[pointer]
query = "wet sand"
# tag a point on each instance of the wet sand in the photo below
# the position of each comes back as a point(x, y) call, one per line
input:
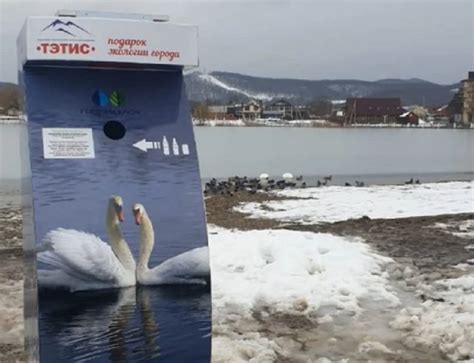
point(11, 286)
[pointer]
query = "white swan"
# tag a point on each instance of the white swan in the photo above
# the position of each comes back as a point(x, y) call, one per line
point(263, 179)
point(191, 267)
point(84, 261)
point(288, 177)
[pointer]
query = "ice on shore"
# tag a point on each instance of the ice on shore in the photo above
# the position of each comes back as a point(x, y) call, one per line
point(11, 310)
point(463, 229)
point(313, 278)
point(295, 271)
point(274, 290)
point(294, 282)
point(447, 323)
point(335, 203)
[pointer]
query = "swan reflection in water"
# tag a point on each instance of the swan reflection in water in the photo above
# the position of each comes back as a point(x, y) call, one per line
point(136, 324)
point(149, 324)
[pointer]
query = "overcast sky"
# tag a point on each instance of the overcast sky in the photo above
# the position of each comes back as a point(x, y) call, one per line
point(356, 39)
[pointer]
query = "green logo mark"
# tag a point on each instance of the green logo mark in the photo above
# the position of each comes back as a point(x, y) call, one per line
point(116, 99)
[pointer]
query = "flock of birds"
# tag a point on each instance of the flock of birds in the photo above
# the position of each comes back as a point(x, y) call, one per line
point(237, 184)
point(417, 181)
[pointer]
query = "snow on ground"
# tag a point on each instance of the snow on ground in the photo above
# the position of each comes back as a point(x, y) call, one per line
point(336, 203)
point(11, 311)
point(444, 323)
point(238, 122)
point(463, 229)
point(289, 279)
point(289, 268)
point(261, 96)
point(447, 324)
point(11, 284)
point(304, 295)
point(263, 122)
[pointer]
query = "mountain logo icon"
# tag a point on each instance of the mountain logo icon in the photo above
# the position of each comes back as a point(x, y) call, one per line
point(102, 99)
point(66, 27)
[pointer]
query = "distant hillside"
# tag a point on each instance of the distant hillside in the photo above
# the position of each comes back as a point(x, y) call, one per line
point(224, 87)
point(7, 84)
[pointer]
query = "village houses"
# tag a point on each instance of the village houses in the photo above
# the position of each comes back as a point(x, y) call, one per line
point(357, 110)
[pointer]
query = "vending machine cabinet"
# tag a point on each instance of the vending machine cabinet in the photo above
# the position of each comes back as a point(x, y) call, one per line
point(118, 239)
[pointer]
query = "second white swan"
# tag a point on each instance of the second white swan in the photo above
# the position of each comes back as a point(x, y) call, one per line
point(191, 267)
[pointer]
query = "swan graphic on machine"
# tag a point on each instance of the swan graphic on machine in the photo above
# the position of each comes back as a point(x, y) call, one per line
point(191, 267)
point(82, 261)
point(168, 148)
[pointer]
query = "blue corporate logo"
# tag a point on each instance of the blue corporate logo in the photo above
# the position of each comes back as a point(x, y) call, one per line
point(102, 99)
point(109, 104)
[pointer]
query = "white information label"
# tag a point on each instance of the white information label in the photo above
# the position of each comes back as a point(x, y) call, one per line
point(68, 143)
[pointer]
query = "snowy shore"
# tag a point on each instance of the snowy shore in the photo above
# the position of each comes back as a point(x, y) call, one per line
point(346, 300)
point(11, 286)
point(318, 123)
point(302, 295)
point(334, 203)
point(334, 274)
point(290, 283)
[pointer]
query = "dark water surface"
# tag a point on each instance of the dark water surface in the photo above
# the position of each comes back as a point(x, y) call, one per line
point(126, 325)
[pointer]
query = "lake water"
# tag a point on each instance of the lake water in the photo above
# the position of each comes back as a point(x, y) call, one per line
point(377, 155)
point(136, 324)
point(372, 155)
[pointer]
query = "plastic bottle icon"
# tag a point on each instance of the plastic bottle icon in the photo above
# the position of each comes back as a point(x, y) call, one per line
point(185, 149)
point(166, 147)
point(175, 147)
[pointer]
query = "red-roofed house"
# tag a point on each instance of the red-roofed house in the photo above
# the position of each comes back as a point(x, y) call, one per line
point(373, 110)
point(408, 118)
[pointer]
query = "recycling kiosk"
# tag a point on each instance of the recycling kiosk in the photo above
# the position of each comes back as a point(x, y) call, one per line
point(118, 265)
